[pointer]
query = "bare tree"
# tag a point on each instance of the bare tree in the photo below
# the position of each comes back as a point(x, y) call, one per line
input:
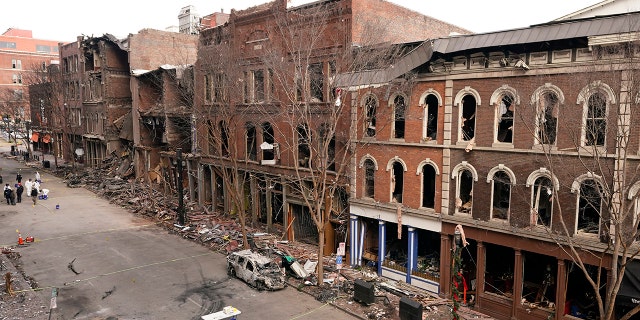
point(597, 167)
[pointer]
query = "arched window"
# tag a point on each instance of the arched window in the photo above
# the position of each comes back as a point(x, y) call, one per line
point(428, 186)
point(370, 109)
point(595, 98)
point(268, 137)
point(399, 109)
point(327, 147)
point(542, 200)
point(505, 112)
point(465, 175)
point(547, 100)
point(501, 195)
point(589, 207)
point(252, 142)
point(224, 138)
point(595, 126)
point(431, 116)
point(397, 182)
point(304, 149)
point(548, 118)
point(468, 117)
point(369, 181)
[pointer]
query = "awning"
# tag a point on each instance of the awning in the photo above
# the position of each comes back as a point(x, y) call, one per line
point(46, 138)
point(34, 137)
point(629, 293)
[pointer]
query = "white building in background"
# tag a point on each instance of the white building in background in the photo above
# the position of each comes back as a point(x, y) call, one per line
point(189, 20)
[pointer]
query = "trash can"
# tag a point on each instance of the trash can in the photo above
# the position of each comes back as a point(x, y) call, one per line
point(46, 164)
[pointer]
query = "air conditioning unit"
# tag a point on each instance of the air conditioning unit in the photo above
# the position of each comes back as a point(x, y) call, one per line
point(410, 309)
point(363, 292)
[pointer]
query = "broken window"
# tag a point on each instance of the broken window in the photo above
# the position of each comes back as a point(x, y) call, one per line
point(246, 94)
point(431, 102)
point(399, 109)
point(211, 141)
point(539, 275)
point(272, 86)
point(589, 207)
point(258, 86)
point(304, 150)
point(251, 142)
point(464, 201)
point(580, 296)
point(369, 178)
point(596, 121)
point(370, 106)
point(397, 181)
point(299, 87)
point(505, 112)
point(428, 259)
point(218, 88)
point(548, 118)
point(468, 117)
point(316, 80)
point(542, 201)
point(396, 245)
point(207, 88)
point(268, 137)
point(327, 153)
point(501, 195)
point(499, 267)
point(224, 138)
point(428, 186)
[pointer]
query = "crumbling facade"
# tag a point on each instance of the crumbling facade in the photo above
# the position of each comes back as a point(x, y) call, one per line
point(487, 157)
point(266, 108)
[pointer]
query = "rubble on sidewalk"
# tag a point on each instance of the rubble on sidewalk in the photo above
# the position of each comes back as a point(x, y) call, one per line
point(222, 233)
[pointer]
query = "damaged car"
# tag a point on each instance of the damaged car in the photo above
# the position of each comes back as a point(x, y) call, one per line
point(255, 269)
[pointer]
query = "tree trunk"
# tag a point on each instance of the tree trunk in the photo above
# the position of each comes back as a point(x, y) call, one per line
point(320, 267)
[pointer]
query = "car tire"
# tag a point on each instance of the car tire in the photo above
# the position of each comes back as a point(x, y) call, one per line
point(260, 286)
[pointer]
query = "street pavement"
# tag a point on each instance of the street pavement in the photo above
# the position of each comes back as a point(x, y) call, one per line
point(106, 263)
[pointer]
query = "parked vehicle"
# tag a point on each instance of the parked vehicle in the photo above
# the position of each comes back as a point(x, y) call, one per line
point(256, 269)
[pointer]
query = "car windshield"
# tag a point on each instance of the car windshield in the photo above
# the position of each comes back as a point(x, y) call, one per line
point(269, 266)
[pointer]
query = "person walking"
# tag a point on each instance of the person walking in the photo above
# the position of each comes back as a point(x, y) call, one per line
point(7, 193)
point(19, 191)
point(19, 177)
point(28, 185)
point(34, 196)
point(38, 177)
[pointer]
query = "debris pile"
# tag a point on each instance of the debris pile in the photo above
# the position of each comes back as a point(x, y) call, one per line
point(223, 233)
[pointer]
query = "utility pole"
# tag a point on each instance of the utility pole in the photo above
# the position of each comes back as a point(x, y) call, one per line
point(181, 218)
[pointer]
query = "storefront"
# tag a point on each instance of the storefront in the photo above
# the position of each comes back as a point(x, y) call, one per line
point(400, 245)
point(513, 277)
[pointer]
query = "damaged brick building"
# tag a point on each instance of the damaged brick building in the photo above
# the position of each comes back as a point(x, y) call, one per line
point(267, 107)
point(518, 141)
point(99, 112)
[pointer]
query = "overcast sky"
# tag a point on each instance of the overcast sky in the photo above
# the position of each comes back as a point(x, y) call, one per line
point(66, 19)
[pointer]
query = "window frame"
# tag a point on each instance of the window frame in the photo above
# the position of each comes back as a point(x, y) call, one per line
point(584, 99)
point(501, 168)
point(456, 174)
point(395, 122)
point(370, 103)
point(427, 135)
point(537, 100)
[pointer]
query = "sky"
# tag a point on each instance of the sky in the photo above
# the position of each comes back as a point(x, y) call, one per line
point(66, 19)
